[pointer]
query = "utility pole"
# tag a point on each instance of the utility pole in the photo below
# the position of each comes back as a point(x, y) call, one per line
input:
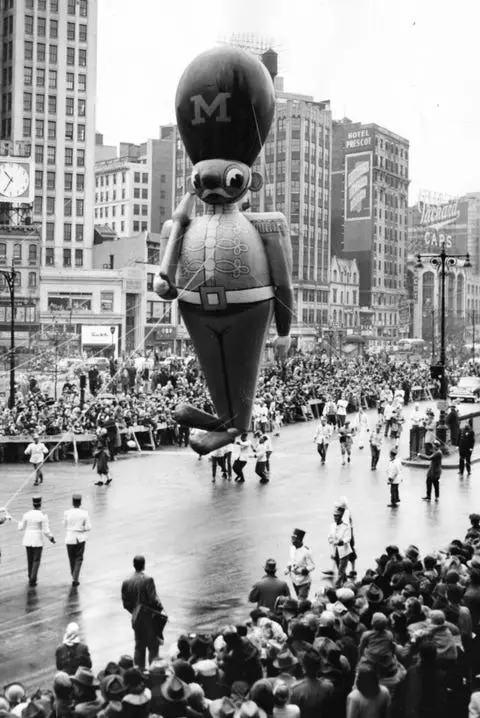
point(9, 276)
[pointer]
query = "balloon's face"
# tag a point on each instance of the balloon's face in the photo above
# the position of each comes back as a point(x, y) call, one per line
point(220, 181)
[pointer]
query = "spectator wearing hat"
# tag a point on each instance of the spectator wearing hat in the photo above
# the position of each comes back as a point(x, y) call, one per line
point(35, 525)
point(287, 668)
point(173, 700)
point(312, 695)
point(72, 653)
point(139, 597)
point(37, 451)
point(442, 637)
point(137, 699)
point(466, 442)
point(262, 694)
point(5, 708)
point(434, 470)
point(339, 538)
point(266, 591)
point(35, 708)
point(16, 696)
point(241, 659)
point(222, 708)
point(197, 704)
point(282, 708)
point(378, 649)
point(77, 525)
point(473, 533)
point(301, 564)
point(63, 696)
point(207, 672)
point(394, 478)
point(159, 671)
point(87, 699)
point(113, 689)
point(471, 597)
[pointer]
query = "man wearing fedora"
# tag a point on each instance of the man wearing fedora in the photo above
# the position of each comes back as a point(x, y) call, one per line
point(77, 525)
point(87, 699)
point(114, 689)
point(434, 471)
point(139, 597)
point(287, 666)
point(173, 700)
point(35, 525)
point(301, 564)
point(266, 591)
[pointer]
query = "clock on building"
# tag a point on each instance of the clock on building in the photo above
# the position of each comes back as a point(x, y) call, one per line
point(15, 180)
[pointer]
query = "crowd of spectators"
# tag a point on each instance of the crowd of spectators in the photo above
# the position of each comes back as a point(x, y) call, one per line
point(142, 393)
point(401, 640)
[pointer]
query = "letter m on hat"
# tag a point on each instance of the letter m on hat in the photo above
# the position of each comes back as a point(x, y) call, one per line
point(218, 104)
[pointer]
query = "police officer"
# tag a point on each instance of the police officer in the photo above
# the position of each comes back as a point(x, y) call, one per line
point(35, 525)
point(77, 525)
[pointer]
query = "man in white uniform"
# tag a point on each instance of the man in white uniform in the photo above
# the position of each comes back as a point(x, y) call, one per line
point(339, 538)
point(394, 477)
point(301, 564)
point(35, 525)
point(77, 524)
point(322, 437)
point(37, 452)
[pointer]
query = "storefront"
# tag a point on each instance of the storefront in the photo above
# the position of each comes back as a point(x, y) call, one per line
point(100, 340)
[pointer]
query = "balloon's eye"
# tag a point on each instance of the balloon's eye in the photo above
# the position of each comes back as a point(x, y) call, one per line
point(196, 180)
point(234, 178)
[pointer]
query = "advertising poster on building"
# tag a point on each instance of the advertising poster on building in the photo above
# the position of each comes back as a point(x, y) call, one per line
point(436, 225)
point(358, 186)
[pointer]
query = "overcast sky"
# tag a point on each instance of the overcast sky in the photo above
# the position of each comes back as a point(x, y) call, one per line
point(409, 65)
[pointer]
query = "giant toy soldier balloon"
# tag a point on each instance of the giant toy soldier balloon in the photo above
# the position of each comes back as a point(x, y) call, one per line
point(231, 271)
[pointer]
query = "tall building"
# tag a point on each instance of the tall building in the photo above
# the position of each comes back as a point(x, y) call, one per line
point(296, 165)
point(133, 192)
point(48, 70)
point(369, 221)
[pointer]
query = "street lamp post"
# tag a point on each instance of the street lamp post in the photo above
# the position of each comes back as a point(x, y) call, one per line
point(9, 276)
point(473, 333)
point(440, 262)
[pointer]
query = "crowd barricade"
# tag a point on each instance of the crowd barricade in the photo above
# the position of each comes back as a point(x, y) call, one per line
point(423, 393)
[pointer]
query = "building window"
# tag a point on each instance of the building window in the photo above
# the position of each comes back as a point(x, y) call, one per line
point(136, 192)
point(69, 106)
point(79, 257)
point(83, 8)
point(52, 79)
point(82, 33)
point(71, 31)
point(80, 158)
point(49, 257)
point(52, 105)
point(27, 101)
point(136, 177)
point(27, 75)
point(3, 253)
point(39, 129)
point(53, 54)
point(70, 81)
point(150, 282)
point(144, 226)
point(144, 193)
point(32, 254)
point(69, 130)
point(79, 207)
point(82, 58)
point(144, 210)
point(82, 104)
point(50, 231)
point(51, 155)
point(37, 205)
point(145, 177)
point(79, 232)
point(136, 226)
point(41, 26)
point(68, 156)
point(51, 181)
point(68, 181)
point(40, 103)
point(71, 6)
point(81, 133)
point(17, 253)
point(28, 50)
point(70, 56)
point(53, 5)
point(82, 83)
point(40, 52)
point(67, 257)
point(50, 205)
point(28, 24)
point(52, 130)
point(40, 77)
point(27, 127)
point(136, 209)
point(67, 206)
point(106, 301)
point(39, 154)
point(67, 232)
point(80, 183)
point(32, 279)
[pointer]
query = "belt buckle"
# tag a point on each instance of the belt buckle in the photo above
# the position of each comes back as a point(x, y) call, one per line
point(213, 298)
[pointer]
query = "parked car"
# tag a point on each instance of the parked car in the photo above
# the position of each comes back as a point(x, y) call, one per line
point(101, 363)
point(467, 389)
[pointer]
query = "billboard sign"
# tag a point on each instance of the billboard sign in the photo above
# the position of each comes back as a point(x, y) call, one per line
point(440, 224)
point(358, 186)
point(358, 139)
point(99, 335)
